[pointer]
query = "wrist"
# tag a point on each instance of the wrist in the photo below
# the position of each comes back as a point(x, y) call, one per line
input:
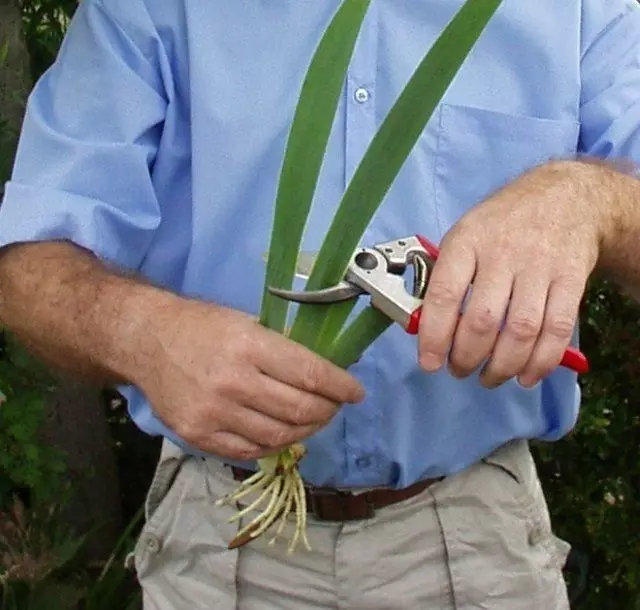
point(600, 191)
point(145, 313)
point(612, 190)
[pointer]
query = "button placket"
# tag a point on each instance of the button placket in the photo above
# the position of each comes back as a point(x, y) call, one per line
point(360, 127)
point(360, 122)
point(361, 95)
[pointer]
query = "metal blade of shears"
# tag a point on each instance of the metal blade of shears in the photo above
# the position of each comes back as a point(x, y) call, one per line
point(344, 291)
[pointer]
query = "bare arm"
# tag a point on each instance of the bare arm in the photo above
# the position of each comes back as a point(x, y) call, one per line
point(215, 376)
point(77, 315)
point(617, 193)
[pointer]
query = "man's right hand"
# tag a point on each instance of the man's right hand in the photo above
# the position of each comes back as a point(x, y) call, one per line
point(229, 386)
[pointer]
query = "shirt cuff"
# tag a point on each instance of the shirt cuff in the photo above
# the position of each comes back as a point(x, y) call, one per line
point(36, 214)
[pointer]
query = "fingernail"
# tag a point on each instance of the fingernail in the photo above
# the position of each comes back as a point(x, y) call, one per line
point(457, 373)
point(431, 362)
point(527, 382)
point(487, 382)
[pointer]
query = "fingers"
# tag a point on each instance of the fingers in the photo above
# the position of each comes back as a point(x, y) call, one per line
point(480, 323)
point(443, 300)
point(297, 366)
point(262, 429)
point(230, 446)
point(518, 324)
point(265, 412)
point(563, 304)
point(247, 392)
point(520, 331)
point(228, 421)
point(270, 412)
point(235, 447)
point(537, 329)
point(287, 403)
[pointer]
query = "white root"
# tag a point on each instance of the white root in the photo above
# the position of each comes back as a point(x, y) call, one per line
point(255, 503)
point(285, 487)
point(288, 498)
point(271, 512)
point(303, 512)
point(253, 483)
point(250, 527)
point(296, 534)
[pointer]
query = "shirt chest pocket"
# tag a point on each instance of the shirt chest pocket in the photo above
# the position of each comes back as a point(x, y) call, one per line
point(478, 151)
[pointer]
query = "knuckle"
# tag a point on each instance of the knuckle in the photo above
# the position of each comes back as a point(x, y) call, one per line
point(523, 327)
point(483, 321)
point(313, 374)
point(246, 454)
point(311, 411)
point(298, 415)
point(278, 437)
point(231, 382)
point(560, 326)
point(224, 383)
point(187, 430)
point(245, 344)
point(302, 413)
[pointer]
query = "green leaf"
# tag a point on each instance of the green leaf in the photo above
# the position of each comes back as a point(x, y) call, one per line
point(304, 154)
point(21, 431)
point(364, 330)
point(317, 326)
point(31, 452)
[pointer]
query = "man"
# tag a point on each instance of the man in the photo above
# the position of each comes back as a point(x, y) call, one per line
point(133, 231)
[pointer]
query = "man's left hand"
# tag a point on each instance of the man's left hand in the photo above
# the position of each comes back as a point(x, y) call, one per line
point(524, 256)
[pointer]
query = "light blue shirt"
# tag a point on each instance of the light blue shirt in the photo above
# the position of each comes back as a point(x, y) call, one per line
point(157, 137)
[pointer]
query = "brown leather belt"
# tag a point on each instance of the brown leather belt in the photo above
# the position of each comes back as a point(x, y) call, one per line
point(329, 504)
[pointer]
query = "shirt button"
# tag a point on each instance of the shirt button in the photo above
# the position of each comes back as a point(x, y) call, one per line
point(363, 462)
point(153, 544)
point(536, 535)
point(361, 95)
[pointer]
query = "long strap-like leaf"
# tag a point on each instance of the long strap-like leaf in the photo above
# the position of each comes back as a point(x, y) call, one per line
point(316, 326)
point(357, 337)
point(305, 151)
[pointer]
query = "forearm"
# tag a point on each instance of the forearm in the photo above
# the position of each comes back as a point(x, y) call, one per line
point(68, 309)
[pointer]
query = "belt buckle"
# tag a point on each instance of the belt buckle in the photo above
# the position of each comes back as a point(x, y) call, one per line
point(339, 511)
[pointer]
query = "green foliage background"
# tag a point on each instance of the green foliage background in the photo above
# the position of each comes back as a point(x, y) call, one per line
point(592, 478)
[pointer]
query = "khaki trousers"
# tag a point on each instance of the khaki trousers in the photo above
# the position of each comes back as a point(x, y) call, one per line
point(479, 539)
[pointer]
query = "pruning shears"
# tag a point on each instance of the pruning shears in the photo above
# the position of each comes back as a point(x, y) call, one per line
point(378, 272)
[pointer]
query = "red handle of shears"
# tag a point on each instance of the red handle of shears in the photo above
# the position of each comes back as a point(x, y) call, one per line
point(573, 359)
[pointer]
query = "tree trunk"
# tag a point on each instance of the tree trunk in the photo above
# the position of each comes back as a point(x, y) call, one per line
point(76, 424)
point(75, 415)
point(15, 82)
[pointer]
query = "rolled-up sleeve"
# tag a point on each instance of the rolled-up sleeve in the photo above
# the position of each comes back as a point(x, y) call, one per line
point(84, 167)
point(610, 69)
